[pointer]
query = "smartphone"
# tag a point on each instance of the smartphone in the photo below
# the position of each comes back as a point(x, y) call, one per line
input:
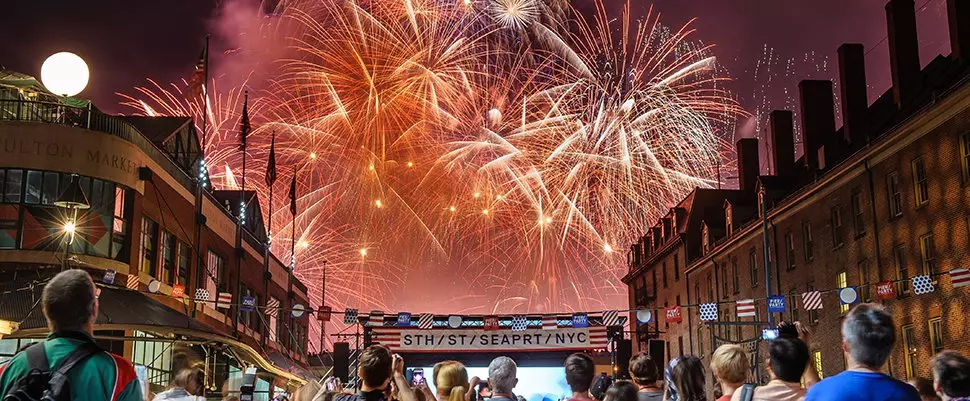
point(483, 391)
point(769, 334)
point(417, 377)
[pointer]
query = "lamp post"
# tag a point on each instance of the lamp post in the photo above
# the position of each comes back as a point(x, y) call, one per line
point(72, 199)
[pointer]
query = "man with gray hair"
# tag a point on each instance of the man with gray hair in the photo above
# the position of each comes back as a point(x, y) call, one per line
point(501, 378)
point(868, 334)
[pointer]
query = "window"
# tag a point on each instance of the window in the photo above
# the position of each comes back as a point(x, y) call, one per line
point(247, 319)
point(842, 281)
point(676, 266)
point(663, 274)
point(149, 242)
point(710, 287)
point(965, 155)
point(895, 194)
point(697, 292)
point(155, 356)
point(654, 282)
point(807, 241)
point(184, 263)
point(790, 250)
point(214, 274)
point(858, 216)
point(169, 245)
point(817, 356)
point(13, 186)
point(812, 314)
point(753, 266)
point(119, 225)
point(909, 351)
point(724, 281)
point(902, 269)
point(273, 310)
point(838, 236)
point(920, 186)
point(928, 253)
point(936, 334)
point(734, 275)
point(793, 301)
point(700, 341)
point(863, 267)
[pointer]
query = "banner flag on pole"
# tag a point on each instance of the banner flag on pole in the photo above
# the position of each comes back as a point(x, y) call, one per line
point(580, 320)
point(611, 318)
point(960, 277)
point(224, 301)
point(848, 296)
point(812, 300)
point(885, 290)
point(549, 322)
point(323, 313)
point(491, 323)
point(520, 323)
point(776, 304)
point(426, 321)
point(708, 312)
point(923, 285)
point(248, 303)
point(403, 319)
point(672, 314)
point(746, 308)
point(350, 316)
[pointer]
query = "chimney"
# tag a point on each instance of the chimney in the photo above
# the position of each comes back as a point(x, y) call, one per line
point(903, 49)
point(855, 101)
point(783, 142)
point(818, 119)
point(749, 167)
point(958, 12)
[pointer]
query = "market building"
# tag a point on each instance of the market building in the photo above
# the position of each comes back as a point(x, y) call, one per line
point(882, 199)
point(151, 227)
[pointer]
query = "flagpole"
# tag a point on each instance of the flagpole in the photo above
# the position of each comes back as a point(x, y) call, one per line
point(205, 93)
point(199, 217)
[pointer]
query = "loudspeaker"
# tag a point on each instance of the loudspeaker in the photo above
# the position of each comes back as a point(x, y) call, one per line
point(624, 351)
point(341, 361)
point(656, 349)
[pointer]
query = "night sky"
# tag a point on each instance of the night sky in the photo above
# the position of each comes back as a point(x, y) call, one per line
point(766, 46)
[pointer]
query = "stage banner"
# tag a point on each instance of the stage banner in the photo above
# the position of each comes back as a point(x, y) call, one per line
point(464, 340)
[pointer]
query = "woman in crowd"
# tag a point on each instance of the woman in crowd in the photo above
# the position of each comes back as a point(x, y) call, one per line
point(188, 385)
point(621, 391)
point(450, 381)
point(686, 380)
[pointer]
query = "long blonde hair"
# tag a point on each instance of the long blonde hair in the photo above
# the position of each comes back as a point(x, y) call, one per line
point(451, 380)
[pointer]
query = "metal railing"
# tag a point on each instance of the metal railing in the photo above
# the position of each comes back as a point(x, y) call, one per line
point(95, 120)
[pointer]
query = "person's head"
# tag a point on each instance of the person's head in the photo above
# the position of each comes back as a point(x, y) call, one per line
point(190, 379)
point(951, 375)
point(450, 380)
point(69, 302)
point(621, 391)
point(376, 363)
point(643, 370)
point(501, 375)
point(868, 335)
point(579, 372)
point(687, 378)
point(925, 388)
point(730, 364)
point(787, 358)
point(601, 384)
point(308, 392)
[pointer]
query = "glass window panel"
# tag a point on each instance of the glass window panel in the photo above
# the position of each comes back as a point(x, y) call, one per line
point(34, 186)
point(50, 193)
point(13, 187)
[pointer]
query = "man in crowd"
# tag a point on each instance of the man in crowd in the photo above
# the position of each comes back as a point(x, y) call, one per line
point(644, 372)
point(730, 365)
point(378, 366)
point(868, 335)
point(501, 378)
point(789, 365)
point(70, 305)
point(579, 376)
point(951, 376)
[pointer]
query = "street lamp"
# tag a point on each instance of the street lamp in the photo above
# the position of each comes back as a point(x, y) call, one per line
point(72, 199)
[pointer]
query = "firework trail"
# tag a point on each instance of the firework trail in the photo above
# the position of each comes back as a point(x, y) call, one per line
point(472, 157)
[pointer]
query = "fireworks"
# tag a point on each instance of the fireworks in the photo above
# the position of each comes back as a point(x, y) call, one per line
point(443, 171)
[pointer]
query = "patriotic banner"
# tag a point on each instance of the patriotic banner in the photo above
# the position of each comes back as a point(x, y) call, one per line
point(426, 321)
point(960, 277)
point(580, 320)
point(248, 303)
point(549, 323)
point(154, 286)
point(467, 340)
point(746, 308)
point(202, 295)
point(673, 314)
point(812, 300)
point(273, 308)
point(376, 318)
point(491, 323)
point(178, 291)
point(923, 285)
point(404, 319)
point(297, 311)
point(224, 301)
point(350, 316)
point(776, 304)
point(885, 290)
point(109, 276)
point(611, 318)
point(324, 313)
point(708, 312)
point(520, 323)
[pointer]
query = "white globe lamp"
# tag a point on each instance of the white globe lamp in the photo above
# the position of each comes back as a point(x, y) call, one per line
point(64, 74)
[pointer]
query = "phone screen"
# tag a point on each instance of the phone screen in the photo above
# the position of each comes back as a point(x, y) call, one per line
point(769, 334)
point(417, 377)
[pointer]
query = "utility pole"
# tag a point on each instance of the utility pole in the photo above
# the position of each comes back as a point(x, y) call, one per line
point(763, 200)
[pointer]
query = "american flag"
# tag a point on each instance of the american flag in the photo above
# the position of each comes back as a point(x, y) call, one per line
point(550, 322)
point(197, 82)
point(746, 308)
point(224, 301)
point(960, 277)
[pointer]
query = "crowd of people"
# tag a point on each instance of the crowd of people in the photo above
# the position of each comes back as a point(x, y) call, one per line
point(69, 366)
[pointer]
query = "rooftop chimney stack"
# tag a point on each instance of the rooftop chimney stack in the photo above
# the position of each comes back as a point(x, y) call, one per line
point(781, 123)
point(958, 12)
point(818, 121)
point(749, 167)
point(855, 101)
point(903, 49)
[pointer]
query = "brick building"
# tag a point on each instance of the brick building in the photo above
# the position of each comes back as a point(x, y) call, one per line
point(882, 198)
point(148, 223)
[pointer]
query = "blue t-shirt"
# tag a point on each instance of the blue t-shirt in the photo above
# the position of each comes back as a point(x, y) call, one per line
point(861, 386)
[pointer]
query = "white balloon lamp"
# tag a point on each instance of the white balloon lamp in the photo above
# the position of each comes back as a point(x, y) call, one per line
point(64, 74)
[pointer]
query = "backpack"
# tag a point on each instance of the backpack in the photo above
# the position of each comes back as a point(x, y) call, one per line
point(747, 392)
point(44, 383)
